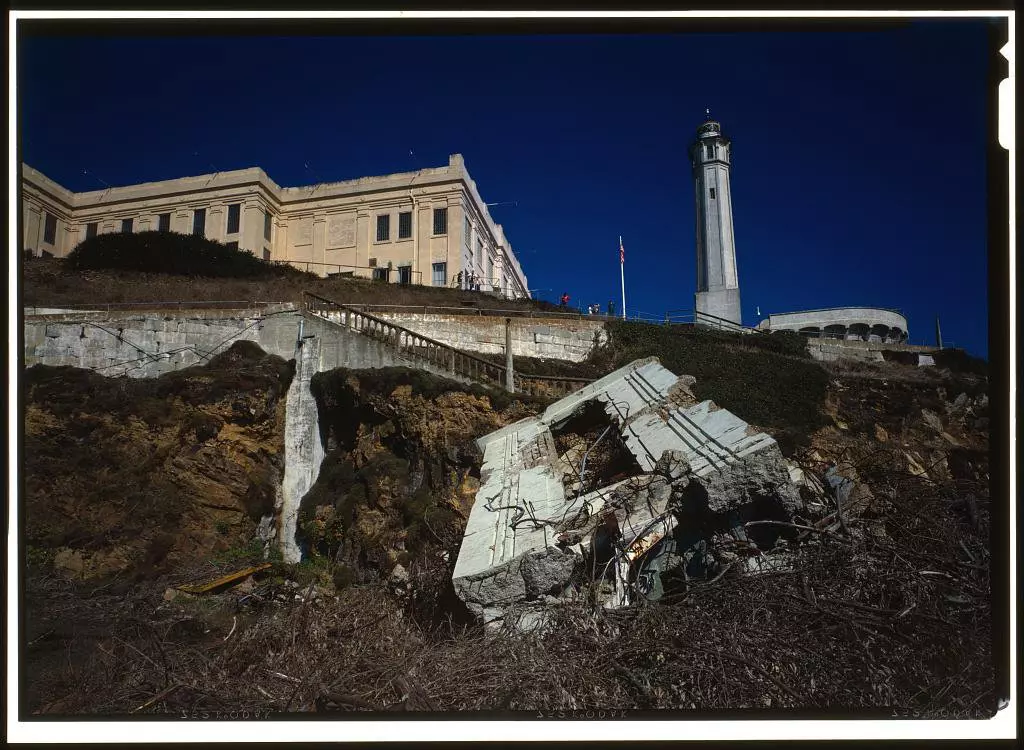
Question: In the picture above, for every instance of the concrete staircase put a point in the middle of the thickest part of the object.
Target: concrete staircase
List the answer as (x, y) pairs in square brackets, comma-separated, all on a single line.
[(431, 354)]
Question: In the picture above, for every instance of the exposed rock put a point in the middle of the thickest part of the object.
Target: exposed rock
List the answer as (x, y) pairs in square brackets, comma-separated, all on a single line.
[(139, 474), (399, 576), (932, 419)]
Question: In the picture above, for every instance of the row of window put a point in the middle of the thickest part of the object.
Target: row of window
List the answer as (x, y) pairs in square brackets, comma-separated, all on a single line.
[(163, 224), (405, 224), (468, 233)]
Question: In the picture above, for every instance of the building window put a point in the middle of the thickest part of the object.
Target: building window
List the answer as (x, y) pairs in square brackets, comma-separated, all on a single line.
[(710, 147), (126, 226), (231, 245), (163, 223), (405, 225), (440, 274), (468, 233), (712, 193), (405, 274), (50, 230), (234, 217), (440, 221), (383, 227), (90, 230), (380, 274), (267, 221), (199, 222), (372, 262), (266, 253), (479, 251)]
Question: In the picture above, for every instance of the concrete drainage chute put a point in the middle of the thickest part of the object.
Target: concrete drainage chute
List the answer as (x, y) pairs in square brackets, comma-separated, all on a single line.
[(303, 450)]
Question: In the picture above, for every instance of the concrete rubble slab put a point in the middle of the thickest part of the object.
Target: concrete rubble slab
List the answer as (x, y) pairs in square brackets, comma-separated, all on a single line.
[(526, 527)]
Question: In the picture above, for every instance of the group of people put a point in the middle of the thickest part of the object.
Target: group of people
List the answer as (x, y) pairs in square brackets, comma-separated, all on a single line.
[(594, 309), (471, 280)]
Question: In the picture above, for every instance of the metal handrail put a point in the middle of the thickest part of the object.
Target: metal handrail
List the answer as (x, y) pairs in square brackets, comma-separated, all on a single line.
[(349, 267), (158, 303)]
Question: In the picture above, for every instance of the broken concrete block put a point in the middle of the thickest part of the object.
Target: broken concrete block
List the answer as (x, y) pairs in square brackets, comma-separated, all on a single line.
[(548, 572), (646, 445)]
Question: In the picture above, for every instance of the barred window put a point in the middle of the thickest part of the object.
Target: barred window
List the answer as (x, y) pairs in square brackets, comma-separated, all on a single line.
[(234, 217), (440, 274), (405, 225), (468, 233), (383, 227), (199, 222), (440, 221), (710, 147), (50, 230), (231, 245), (90, 229), (163, 223), (126, 226), (267, 223)]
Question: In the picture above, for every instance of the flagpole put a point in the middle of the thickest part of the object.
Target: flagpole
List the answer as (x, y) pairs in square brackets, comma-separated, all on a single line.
[(622, 274)]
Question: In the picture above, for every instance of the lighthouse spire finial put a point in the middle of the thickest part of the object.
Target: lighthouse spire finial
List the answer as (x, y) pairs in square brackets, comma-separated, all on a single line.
[(707, 111)]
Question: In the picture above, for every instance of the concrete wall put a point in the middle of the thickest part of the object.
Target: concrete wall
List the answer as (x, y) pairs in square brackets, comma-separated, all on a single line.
[(829, 350), (144, 345), (549, 338)]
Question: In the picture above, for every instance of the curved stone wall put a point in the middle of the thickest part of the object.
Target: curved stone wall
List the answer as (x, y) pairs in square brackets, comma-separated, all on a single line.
[(874, 324)]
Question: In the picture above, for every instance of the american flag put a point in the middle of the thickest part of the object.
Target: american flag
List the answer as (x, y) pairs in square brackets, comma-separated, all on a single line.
[(622, 252)]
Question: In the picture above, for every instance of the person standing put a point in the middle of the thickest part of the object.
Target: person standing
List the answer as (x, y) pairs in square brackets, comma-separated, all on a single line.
[(611, 308), (565, 299)]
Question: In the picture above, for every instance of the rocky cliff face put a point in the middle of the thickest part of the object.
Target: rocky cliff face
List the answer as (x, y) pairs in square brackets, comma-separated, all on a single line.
[(401, 469), (131, 477)]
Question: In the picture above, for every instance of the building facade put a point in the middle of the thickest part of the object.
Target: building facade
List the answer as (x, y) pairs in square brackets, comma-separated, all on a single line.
[(718, 286), (426, 227)]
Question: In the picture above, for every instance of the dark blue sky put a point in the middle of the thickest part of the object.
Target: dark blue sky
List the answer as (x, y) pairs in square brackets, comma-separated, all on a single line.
[(859, 172)]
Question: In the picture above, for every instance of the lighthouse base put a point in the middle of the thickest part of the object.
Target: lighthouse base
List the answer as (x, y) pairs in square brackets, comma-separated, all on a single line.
[(719, 303)]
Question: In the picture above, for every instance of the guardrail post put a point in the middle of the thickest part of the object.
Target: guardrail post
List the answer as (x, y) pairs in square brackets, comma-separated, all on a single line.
[(509, 376)]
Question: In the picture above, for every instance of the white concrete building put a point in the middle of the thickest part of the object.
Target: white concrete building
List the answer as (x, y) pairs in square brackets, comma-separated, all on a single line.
[(872, 324), (718, 286), (426, 227)]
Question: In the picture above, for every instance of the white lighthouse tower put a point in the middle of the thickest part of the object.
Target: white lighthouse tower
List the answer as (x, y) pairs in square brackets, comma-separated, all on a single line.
[(718, 286)]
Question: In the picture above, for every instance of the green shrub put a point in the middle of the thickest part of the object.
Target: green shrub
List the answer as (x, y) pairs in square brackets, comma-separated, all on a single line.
[(169, 252), (958, 360), (759, 378)]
